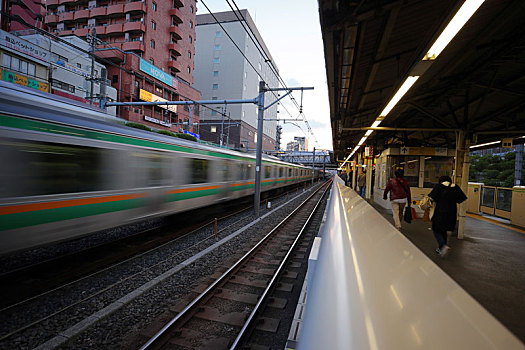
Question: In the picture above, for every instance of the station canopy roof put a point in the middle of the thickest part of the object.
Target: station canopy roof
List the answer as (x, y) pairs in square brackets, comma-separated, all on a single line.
[(476, 84)]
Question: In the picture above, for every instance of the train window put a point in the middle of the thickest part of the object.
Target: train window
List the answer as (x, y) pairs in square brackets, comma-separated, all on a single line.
[(289, 172), (224, 171), (251, 171), (40, 168), (198, 170), (267, 172), (280, 172)]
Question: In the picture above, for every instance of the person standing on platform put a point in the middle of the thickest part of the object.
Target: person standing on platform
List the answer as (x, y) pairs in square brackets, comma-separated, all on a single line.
[(399, 189), (445, 196), (344, 177), (361, 182)]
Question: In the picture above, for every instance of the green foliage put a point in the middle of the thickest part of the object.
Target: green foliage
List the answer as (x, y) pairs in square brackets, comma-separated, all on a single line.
[(493, 170), (166, 132), (138, 126), (187, 137)]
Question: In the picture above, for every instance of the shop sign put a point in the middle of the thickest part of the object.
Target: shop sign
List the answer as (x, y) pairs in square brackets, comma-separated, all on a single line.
[(149, 97), (157, 121), (158, 74), (23, 80), (15, 43)]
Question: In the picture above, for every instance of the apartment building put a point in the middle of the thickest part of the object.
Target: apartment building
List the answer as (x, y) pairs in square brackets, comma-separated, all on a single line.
[(222, 73), (150, 46)]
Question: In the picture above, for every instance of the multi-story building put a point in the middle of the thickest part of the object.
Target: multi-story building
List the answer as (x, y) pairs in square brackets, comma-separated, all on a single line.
[(150, 45), (30, 11), (303, 143), (223, 73), (35, 61)]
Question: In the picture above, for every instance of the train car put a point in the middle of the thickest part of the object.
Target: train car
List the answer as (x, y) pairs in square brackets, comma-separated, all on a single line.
[(69, 170)]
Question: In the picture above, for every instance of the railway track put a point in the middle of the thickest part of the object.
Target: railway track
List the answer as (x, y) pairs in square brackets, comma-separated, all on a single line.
[(242, 307), (87, 292)]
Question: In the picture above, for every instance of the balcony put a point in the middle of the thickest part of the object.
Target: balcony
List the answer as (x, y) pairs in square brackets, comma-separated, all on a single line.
[(113, 55), (115, 28), (133, 46), (81, 14), (81, 32), (66, 32), (51, 3), (177, 16), (174, 65), (62, 2), (66, 16), (176, 32), (134, 27), (174, 48), (51, 19), (98, 11), (178, 3), (137, 6), (116, 9), (100, 30)]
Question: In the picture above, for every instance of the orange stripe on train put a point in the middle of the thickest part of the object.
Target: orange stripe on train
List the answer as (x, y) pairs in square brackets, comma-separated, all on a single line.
[(23, 208)]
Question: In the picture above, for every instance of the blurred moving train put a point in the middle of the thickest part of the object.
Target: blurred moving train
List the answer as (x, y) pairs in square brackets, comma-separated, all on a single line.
[(68, 170)]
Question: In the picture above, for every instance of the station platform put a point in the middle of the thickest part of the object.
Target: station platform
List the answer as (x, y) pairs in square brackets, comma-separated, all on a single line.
[(488, 263)]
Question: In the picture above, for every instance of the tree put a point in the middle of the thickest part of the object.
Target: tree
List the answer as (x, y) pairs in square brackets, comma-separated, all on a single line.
[(493, 170)]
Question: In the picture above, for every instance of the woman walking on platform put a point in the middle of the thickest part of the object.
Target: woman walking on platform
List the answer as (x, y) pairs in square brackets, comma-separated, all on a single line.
[(399, 196), (445, 196)]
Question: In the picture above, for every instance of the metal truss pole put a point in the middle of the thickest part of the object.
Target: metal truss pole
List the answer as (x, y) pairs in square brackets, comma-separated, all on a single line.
[(258, 159)]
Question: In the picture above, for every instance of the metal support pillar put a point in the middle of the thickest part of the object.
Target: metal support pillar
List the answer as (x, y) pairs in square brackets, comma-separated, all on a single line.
[(354, 175), (92, 76), (461, 173), (518, 165), (258, 159), (313, 165), (368, 184)]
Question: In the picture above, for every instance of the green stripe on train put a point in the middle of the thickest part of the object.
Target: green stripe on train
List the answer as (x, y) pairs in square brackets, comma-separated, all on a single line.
[(18, 220), (40, 126), (189, 195)]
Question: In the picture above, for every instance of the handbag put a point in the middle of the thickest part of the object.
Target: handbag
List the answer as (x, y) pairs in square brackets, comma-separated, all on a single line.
[(414, 215), (407, 215)]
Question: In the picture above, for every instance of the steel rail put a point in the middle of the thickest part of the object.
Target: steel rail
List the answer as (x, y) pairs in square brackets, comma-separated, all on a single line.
[(242, 334), (185, 313)]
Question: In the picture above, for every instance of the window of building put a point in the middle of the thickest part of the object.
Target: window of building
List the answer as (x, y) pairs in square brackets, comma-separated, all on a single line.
[(190, 39), (191, 9), (217, 47), (189, 70), (152, 42), (216, 60), (153, 25), (218, 34), (215, 73), (158, 90), (79, 65), (154, 6), (213, 112), (191, 24), (23, 67), (31, 69), (152, 61), (215, 86), (189, 54), (114, 78), (214, 98)]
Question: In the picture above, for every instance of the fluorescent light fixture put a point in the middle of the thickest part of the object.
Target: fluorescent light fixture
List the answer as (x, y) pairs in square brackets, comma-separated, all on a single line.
[(363, 139), (368, 133), (466, 11), (399, 94), (485, 144), (376, 123)]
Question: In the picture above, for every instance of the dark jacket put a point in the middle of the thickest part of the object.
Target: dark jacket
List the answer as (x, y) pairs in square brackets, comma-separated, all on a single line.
[(398, 188), (446, 196)]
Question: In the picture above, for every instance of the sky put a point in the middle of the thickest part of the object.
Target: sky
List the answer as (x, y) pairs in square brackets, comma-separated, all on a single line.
[(291, 31)]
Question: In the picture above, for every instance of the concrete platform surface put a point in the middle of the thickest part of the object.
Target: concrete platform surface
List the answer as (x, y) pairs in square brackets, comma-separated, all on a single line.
[(489, 263)]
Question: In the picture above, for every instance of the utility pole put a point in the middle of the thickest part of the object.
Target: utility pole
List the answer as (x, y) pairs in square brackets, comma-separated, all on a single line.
[(92, 78), (258, 157), (313, 165)]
